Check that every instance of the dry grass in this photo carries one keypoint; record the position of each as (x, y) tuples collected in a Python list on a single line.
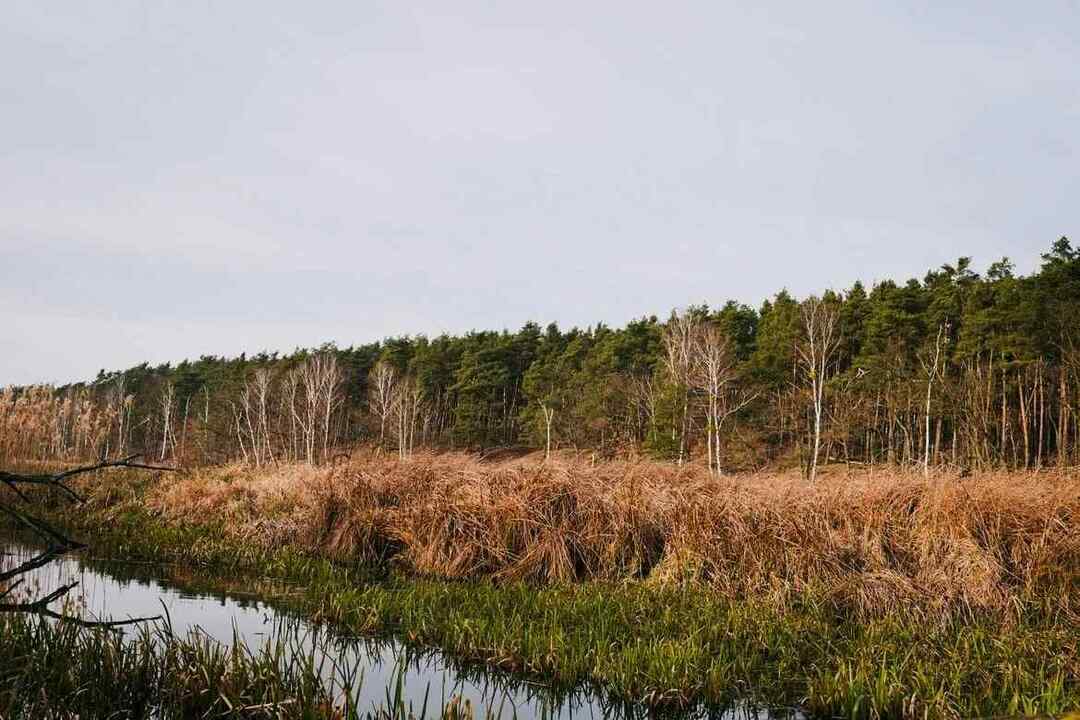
[(872, 543)]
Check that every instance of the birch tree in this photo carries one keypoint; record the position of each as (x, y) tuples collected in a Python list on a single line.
[(406, 407), (322, 379), (331, 380), (250, 421), (679, 338), (381, 394), (549, 417), (815, 353), (932, 367), (309, 423), (165, 403), (714, 374), (290, 385), (262, 382)]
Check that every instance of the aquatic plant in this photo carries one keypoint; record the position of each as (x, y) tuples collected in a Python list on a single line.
[(62, 671)]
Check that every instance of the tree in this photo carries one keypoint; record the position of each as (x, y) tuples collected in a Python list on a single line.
[(679, 337), (932, 367), (487, 387), (406, 407), (713, 372), (1004, 392), (382, 392), (322, 381), (263, 380), (166, 402), (816, 354)]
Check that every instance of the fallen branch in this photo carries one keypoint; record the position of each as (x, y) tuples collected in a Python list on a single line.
[(56, 480), (56, 543)]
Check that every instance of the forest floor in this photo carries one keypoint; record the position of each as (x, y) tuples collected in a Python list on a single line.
[(865, 594)]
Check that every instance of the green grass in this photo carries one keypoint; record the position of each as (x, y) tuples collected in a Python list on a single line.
[(54, 670), (663, 645)]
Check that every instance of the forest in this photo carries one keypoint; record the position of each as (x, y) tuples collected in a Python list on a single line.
[(973, 370), (825, 506)]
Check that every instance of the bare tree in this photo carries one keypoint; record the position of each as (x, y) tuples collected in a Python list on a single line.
[(714, 374), (549, 417), (381, 391), (165, 402), (237, 415), (332, 379), (407, 407), (932, 367), (290, 384), (322, 379), (644, 396), (247, 403), (263, 381), (679, 338), (815, 354), (309, 374)]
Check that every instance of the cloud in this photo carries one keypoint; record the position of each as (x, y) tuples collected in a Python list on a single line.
[(179, 179)]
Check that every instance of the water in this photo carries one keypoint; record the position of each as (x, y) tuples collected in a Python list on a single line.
[(118, 590)]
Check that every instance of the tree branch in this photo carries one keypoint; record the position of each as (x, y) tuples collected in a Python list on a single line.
[(56, 480), (57, 544)]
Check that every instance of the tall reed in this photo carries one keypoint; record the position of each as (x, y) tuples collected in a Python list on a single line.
[(871, 543)]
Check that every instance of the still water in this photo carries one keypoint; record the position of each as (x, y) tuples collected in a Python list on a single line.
[(118, 590)]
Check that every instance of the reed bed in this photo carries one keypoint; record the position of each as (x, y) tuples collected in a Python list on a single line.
[(687, 632), (57, 671), (872, 543)]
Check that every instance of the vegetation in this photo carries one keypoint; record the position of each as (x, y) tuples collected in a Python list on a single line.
[(60, 672), (663, 647), (969, 370), (874, 543), (52, 542), (858, 596), (894, 562)]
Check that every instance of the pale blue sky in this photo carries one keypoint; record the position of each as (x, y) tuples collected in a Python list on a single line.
[(198, 177)]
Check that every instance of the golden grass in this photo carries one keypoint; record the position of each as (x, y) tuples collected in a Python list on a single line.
[(870, 542)]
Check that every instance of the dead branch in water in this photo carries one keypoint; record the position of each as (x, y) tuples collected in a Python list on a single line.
[(56, 543)]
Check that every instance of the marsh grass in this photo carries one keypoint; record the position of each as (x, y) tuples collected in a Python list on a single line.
[(57, 671), (863, 595), (870, 543), (665, 645)]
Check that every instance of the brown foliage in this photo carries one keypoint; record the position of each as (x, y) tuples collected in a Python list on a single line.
[(871, 542)]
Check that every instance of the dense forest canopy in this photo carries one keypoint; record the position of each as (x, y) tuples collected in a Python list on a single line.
[(963, 368)]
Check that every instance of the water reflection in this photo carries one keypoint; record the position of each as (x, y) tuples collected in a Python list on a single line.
[(376, 669)]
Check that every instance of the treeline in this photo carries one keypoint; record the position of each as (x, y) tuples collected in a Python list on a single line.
[(974, 370)]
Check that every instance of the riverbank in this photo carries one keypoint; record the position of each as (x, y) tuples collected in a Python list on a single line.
[(782, 636), (224, 646), (873, 543)]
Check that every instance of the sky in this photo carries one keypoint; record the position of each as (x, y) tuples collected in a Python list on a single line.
[(180, 179)]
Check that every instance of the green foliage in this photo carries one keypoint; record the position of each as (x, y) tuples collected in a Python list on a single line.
[(608, 389), (778, 330)]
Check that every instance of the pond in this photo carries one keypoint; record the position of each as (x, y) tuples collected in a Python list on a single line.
[(117, 590)]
